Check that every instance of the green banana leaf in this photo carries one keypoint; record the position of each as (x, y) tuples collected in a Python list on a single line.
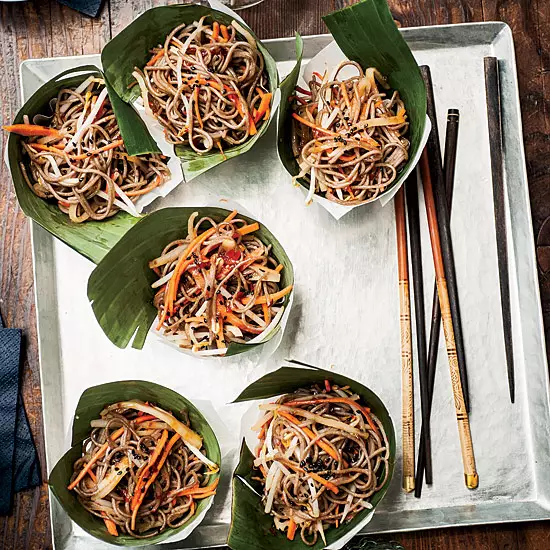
[(366, 33), (131, 48), (91, 239), (251, 528), (120, 286), (92, 401)]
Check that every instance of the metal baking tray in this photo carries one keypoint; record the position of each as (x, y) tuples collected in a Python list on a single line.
[(345, 311)]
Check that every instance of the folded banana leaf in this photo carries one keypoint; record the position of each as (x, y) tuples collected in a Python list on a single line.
[(251, 528), (91, 402), (366, 33), (131, 48), (92, 239), (120, 286)]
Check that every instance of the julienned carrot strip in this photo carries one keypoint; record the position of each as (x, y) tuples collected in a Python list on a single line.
[(194, 490), (313, 125), (154, 183), (140, 488), (197, 110), (42, 147), (246, 229), (252, 130), (156, 469), (364, 410), (322, 443), (330, 486), (264, 105), (183, 262), (215, 31), (102, 450), (267, 316), (291, 529), (110, 524), (155, 58), (224, 32), (111, 145), (279, 268), (236, 321), (31, 130), (145, 418), (272, 297)]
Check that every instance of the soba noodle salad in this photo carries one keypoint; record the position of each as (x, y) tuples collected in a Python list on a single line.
[(349, 135), (142, 470), (207, 86), (77, 157), (322, 455), (217, 285)]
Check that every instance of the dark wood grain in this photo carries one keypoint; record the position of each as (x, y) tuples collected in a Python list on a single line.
[(45, 28)]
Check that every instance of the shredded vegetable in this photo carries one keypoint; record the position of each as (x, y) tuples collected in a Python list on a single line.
[(205, 84), (219, 284), (140, 476), (79, 161), (348, 136), (321, 455)]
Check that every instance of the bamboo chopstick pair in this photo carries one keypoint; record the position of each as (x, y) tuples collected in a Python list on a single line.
[(438, 222)]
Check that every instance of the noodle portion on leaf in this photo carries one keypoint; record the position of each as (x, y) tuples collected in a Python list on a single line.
[(349, 135), (322, 455), (207, 85), (142, 471), (77, 156), (218, 285)]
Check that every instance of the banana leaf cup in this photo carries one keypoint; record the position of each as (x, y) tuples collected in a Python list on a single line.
[(131, 48), (91, 402), (120, 286), (92, 239), (251, 528), (366, 33)]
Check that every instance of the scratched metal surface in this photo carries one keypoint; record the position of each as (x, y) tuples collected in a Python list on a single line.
[(345, 311)]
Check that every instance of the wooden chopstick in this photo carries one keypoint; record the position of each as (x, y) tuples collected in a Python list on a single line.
[(407, 387), (451, 142), (492, 88), (470, 473), (413, 218), (436, 168)]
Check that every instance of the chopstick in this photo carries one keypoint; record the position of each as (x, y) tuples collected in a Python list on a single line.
[(413, 218), (434, 152), (492, 89), (407, 387), (451, 140), (470, 473)]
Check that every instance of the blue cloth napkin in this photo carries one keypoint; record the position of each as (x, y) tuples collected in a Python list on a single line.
[(87, 7), (19, 466)]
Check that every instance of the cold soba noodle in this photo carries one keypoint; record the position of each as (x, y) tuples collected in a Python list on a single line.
[(79, 159), (207, 86), (218, 285), (322, 455), (348, 137), (141, 470)]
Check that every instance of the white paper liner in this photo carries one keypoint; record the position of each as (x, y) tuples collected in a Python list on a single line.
[(256, 354), (327, 59), (249, 418)]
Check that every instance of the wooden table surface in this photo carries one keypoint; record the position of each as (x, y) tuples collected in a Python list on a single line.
[(44, 28)]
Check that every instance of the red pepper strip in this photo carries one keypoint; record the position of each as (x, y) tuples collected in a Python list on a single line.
[(302, 90)]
